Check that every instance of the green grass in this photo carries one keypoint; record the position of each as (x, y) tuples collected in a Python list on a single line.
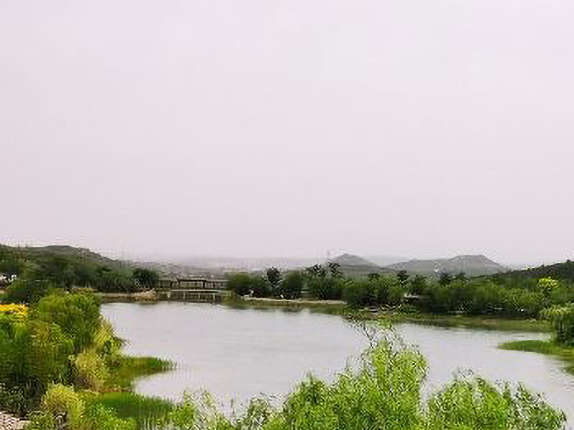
[(145, 410), (547, 347), (132, 368)]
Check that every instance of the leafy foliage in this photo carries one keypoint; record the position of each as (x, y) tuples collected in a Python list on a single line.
[(78, 315), (145, 278), (562, 320), (292, 285)]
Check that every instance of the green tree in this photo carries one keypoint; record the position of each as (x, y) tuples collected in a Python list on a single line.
[(418, 285), (316, 271), (240, 283), (562, 320), (444, 279), (145, 278), (292, 286), (402, 278), (335, 270), (274, 278)]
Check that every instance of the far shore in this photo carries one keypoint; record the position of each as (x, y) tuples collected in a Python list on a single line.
[(339, 307)]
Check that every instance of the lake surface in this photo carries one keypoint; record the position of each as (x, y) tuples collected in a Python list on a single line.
[(238, 353)]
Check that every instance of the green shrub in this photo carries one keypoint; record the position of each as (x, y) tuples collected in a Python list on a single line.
[(562, 320), (90, 371), (46, 356), (41, 421), (98, 417), (478, 404), (292, 285), (144, 410), (27, 290), (78, 315), (13, 400), (61, 400)]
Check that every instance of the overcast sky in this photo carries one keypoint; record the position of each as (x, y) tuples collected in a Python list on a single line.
[(289, 127)]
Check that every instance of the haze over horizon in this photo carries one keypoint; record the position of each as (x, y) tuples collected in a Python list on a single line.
[(266, 128)]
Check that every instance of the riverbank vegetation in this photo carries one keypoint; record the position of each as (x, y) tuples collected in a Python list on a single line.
[(486, 296), (58, 355), (562, 343)]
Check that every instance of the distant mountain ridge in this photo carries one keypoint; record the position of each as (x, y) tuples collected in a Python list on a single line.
[(352, 260), (471, 265), (354, 266)]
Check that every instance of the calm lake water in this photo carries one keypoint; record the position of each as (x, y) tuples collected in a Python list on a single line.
[(238, 353)]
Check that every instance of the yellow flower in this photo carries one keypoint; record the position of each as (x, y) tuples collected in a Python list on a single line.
[(20, 311)]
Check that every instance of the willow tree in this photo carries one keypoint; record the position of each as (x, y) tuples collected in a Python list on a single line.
[(562, 320)]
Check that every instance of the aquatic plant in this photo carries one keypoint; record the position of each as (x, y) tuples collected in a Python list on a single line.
[(145, 411)]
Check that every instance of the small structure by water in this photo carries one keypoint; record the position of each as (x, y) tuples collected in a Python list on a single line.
[(192, 284), (193, 289)]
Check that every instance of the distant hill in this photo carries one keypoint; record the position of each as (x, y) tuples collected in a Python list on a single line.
[(352, 260), (355, 267), (471, 265), (66, 250)]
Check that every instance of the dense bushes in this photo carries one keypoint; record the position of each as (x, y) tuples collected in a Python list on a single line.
[(78, 315), (57, 355), (375, 291), (478, 296), (61, 339)]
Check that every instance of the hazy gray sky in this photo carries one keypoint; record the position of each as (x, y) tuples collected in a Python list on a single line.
[(289, 127)]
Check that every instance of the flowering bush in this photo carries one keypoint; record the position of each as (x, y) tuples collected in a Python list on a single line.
[(20, 311)]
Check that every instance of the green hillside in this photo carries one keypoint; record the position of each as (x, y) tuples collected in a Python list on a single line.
[(559, 271), (66, 267)]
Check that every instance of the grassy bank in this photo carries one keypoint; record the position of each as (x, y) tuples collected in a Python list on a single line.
[(547, 347), (463, 321), (130, 369), (144, 410)]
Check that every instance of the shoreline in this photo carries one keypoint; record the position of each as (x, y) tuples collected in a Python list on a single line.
[(545, 347), (338, 307)]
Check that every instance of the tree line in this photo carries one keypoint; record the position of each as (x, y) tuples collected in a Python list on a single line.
[(442, 295)]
